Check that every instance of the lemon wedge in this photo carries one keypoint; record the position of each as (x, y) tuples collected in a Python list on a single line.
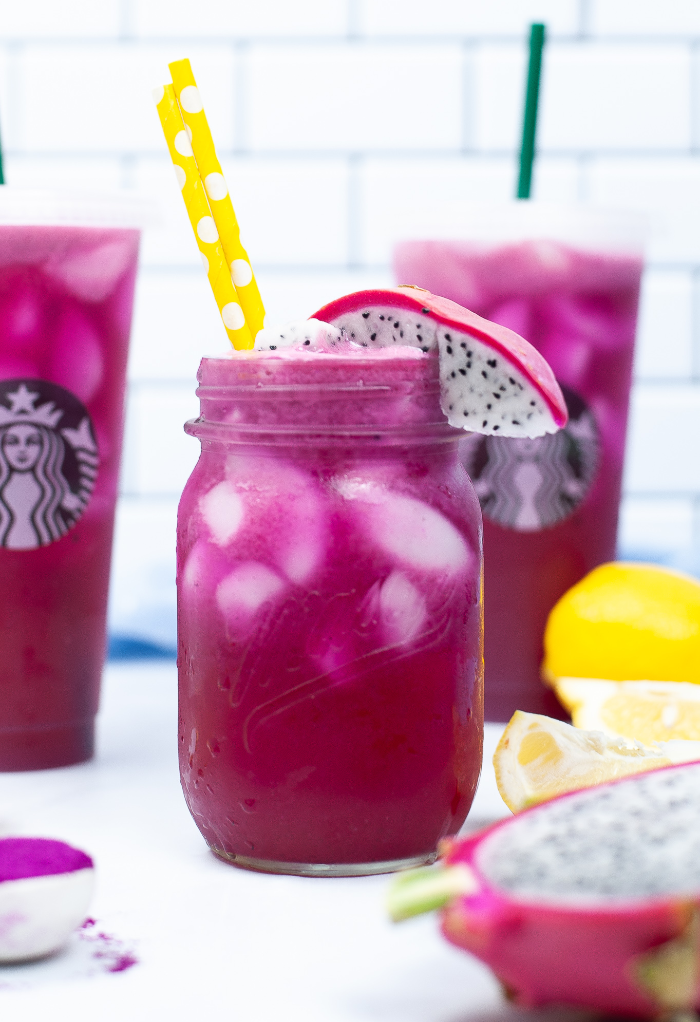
[(539, 758), (648, 711), (626, 621)]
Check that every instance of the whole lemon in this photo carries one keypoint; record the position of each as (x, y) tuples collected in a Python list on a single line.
[(626, 622)]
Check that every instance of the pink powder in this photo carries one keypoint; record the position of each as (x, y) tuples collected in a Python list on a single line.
[(110, 952), (22, 857)]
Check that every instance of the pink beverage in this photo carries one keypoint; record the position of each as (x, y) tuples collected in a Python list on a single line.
[(66, 291), (550, 505), (329, 573)]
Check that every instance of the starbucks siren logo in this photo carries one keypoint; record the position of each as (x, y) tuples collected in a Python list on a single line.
[(48, 462), (528, 485)]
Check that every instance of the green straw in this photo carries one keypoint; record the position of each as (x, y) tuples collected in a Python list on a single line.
[(527, 148)]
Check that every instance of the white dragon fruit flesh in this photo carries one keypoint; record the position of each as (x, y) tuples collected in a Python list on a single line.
[(492, 381), (309, 334), (591, 900)]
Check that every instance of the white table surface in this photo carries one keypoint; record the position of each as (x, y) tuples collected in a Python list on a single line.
[(212, 941)]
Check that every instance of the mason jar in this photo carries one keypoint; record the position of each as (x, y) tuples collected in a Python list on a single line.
[(330, 650)]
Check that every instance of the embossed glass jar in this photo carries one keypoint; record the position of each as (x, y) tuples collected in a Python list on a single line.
[(330, 620)]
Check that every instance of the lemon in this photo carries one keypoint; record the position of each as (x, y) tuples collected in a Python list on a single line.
[(539, 758), (626, 621), (647, 711)]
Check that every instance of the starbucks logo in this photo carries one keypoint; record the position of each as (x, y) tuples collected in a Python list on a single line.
[(48, 462), (528, 485)]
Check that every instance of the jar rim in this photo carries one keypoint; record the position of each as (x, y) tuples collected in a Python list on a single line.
[(392, 399), (261, 368), (280, 436)]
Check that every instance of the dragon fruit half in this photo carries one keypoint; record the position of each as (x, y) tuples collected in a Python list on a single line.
[(591, 900), (491, 380)]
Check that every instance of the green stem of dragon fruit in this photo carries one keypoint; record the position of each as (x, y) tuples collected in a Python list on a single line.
[(423, 890)]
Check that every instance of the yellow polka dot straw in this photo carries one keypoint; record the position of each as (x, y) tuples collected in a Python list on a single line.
[(203, 225), (221, 206)]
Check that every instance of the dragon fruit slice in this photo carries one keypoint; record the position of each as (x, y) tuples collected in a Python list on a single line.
[(591, 900), (492, 381)]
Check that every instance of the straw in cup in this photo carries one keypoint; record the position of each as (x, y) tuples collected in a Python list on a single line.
[(193, 115), (532, 94), (205, 230)]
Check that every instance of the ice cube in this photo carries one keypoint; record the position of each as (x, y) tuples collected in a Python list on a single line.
[(77, 362), (93, 272), (344, 630), (300, 559), (602, 320), (222, 510), (285, 513), (355, 626), (196, 570), (366, 480), (417, 534), (22, 319), (244, 591), (302, 545), (402, 609), (358, 487)]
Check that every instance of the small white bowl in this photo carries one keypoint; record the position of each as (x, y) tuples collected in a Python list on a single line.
[(45, 892)]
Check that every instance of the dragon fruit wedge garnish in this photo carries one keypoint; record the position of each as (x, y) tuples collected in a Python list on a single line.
[(491, 380), (591, 900)]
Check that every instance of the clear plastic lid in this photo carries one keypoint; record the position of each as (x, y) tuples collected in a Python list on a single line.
[(45, 207), (581, 226)]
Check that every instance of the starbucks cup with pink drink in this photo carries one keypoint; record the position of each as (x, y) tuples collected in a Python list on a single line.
[(67, 272), (567, 279)]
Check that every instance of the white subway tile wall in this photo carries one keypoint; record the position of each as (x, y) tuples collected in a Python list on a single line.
[(344, 125)]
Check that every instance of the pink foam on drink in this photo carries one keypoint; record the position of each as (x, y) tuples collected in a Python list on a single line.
[(348, 350)]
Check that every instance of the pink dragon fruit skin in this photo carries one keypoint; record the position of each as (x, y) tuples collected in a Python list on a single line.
[(545, 955), (614, 951)]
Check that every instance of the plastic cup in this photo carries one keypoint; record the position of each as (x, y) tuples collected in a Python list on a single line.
[(567, 279), (67, 272)]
